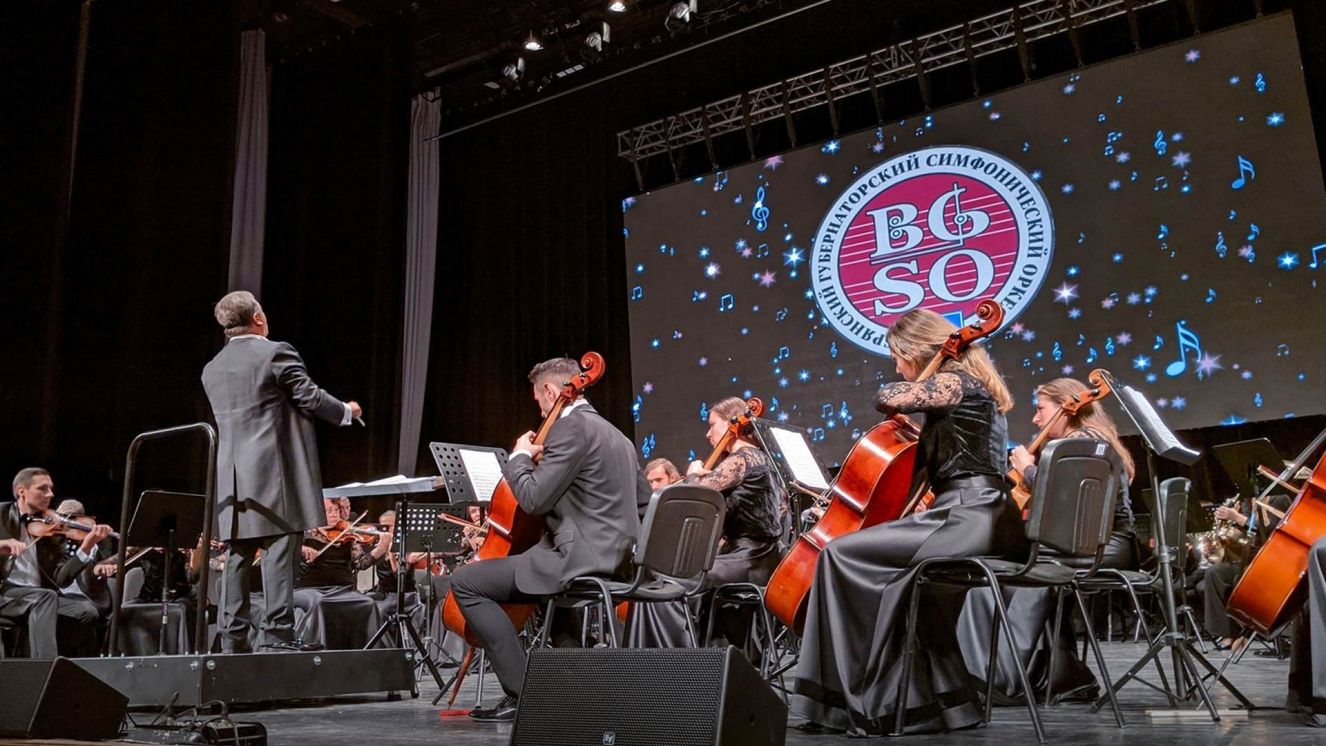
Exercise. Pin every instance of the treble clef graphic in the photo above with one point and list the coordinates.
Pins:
(759, 213)
(966, 223)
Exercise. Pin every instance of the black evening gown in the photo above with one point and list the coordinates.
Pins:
(851, 653)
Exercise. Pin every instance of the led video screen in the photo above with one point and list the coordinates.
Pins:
(1160, 216)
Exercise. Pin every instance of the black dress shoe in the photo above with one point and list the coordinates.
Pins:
(293, 646)
(502, 712)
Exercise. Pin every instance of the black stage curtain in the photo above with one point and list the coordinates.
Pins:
(334, 254)
(115, 319)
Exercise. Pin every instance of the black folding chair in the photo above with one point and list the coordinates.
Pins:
(678, 542)
(1072, 512)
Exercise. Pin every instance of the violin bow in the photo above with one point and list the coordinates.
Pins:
(348, 529)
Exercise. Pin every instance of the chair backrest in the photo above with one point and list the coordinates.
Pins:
(1169, 513)
(680, 534)
(1072, 503)
(133, 584)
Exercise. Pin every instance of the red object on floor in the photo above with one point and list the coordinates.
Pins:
(452, 713)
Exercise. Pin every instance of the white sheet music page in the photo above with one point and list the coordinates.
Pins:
(485, 472)
(805, 468)
(1152, 421)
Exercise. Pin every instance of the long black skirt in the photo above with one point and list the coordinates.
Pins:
(852, 649)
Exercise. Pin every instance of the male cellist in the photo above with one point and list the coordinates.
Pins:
(586, 482)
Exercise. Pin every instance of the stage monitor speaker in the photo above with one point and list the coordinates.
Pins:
(45, 698)
(646, 696)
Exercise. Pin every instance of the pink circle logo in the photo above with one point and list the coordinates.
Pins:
(943, 229)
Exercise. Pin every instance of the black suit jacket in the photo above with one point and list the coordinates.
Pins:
(57, 567)
(587, 486)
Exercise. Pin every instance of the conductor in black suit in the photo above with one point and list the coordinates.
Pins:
(268, 485)
(586, 482)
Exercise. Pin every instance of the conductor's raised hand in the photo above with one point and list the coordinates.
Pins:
(355, 409)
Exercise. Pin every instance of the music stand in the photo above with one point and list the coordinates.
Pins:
(399, 619)
(1240, 461)
(471, 472)
(794, 460)
(427, 534)
(1161, 441)
(167, 520)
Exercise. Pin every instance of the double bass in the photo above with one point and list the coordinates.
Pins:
(874, 485)
(1274, 586)
(510, 530)
(1100, 388)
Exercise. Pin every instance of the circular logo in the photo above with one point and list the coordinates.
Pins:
(942, 229)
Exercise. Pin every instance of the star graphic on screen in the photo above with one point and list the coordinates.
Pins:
(767, 278)
(1181, 159)
(1178, 402)
(1068, 89)
(1123, 157)
(1134, 299)
(773, 162)
(877, 147)
(793, 258)
(1074, 313)
(1208, 364)
(1028, 335)
(746, 252)
(1107, 303)
(648, 388)
(782, 382)
(782, 416)
(1162, 402)
(703, 361)
(1192, 56)
(1247, 375)
(704, 252)
(1287, 260)
(1150, 290)
(1068, 370)
(1123, 338)
(831, 147)
(712, 270)
(1065, 293)
(822, 179)
(1066, 188)
(803, 375)
(1275, 119)
(741, 244)
(1141, 362)
(1114, 185)
(1246, 251)
(1016, 328)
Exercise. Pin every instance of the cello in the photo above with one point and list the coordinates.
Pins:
(873, 486)
(1274, 586)
(1100, 388)
(741, 424)
(510, 529)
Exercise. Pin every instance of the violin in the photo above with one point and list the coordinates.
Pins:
(1100, 388)
(873, 486)
(741, 425)
(51, 523)
(345, 533)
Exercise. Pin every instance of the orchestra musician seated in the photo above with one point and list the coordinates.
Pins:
(34, 579)
(661, 472)
(335, 614)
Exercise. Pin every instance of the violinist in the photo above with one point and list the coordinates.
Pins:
(336, 614)
(586, 482)
(1030, 609)
(32, 580)
(91, 582)
(853, 644)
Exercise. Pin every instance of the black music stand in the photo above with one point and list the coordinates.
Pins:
(795, 462)
(168, 520)
(400, 619)
(427, 534)
(471, 473)
(1160, 440)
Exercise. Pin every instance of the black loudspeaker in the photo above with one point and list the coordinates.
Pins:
(47, 698)
(662, 697)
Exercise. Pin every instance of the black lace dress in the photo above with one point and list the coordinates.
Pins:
(851, 654)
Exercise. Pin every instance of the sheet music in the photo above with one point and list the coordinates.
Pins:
(802, 463)
(398, 479)
(485, 472)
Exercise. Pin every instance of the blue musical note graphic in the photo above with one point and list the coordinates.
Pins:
(637, 292)
(1246, 173)
(720, 181)
(1109, 346)
(1315, 249)
(1253, 232)
(1260, 83)
(1091, 355)
(1210, 295)
(1187, 341)
(1057, 353)
(758, 212)
(726, 302)
(1160, 145)
(1220, 249)
(1163, 233)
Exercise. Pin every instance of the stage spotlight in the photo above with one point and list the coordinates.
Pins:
(602, 34)
(683, 11)
(617, 6)
(532, 43)
(515, 70)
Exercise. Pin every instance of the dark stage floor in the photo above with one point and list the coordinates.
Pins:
(414, 721)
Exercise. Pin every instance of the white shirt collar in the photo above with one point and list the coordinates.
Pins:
(567, 409)
(245, 336)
